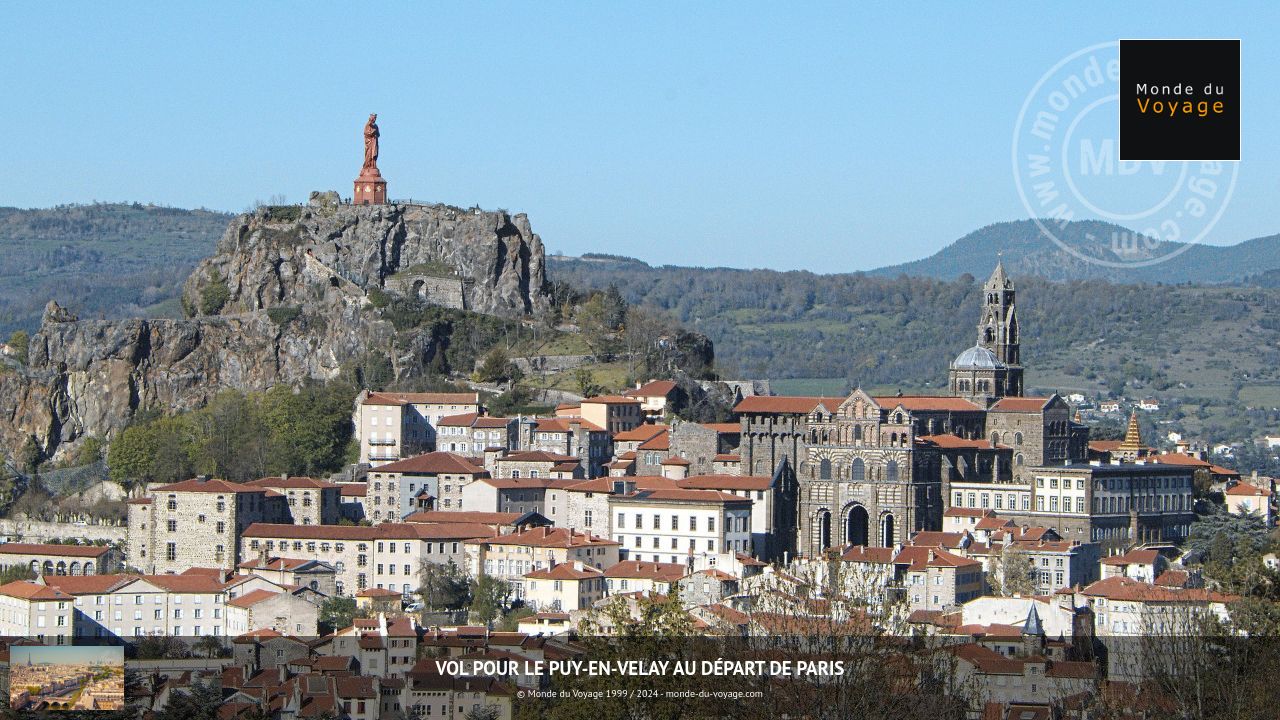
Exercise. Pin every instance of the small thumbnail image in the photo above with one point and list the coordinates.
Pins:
(66, 677)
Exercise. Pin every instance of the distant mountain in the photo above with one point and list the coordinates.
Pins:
(1025, 250)
(110, 260)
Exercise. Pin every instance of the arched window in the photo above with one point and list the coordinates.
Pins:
(897, 418)
(891, 471)
(857, 432)
(995, 437)
(824, 469)
(1017, 459)
(1017, 438)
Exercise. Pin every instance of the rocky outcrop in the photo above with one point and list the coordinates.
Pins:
(295, 306)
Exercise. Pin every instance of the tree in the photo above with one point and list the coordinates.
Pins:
(496, 366)
(1019, 572)
(30, 455)
(200, 702)
(90, 451)
(483, 712)
(585, 382)
(10, 573)
(444, 587)
(209, 645)
(214, 296)
(489, 597)
(338, 611)
(20, 344)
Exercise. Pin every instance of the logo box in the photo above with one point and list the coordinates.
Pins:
(1180, 100)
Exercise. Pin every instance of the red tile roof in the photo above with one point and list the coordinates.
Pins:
(724, 428)
(275, 563)
(864, 554)
(784, 404)
(463, 516)
(353, 489)
(1020, 404)
(89, 551)
(88, 584)
(948, 441)
(253, 597)
(564, 425)
(402, 398)
(432, 463)
(566, 571)
(727, 482)
(684, 495)
(538, 456)
(1119, 587)
(209, 486)
(611, 400)
(640, 433)
(653, 388)
(926, 402)
(676, 460)
(463, 420)
(377, 593)
(292, 481)
(635, 569)
(1240, 489)
(547, 537)
(32, 591)
(1138, 557)
(605, 484)
(661, 441)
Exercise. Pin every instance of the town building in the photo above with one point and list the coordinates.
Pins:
(510, 557)
(472, 433)
(390, 555)
(57, 559)
(564, 587)
(310, 501)
(395, 425)
(574, 437)
(656, 398)
(676, 525)
(36, 611)
(196, 523)
(429, 481)
(1241, 499)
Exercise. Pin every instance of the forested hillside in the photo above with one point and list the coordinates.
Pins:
(113, 260)
(1026, 250)
(1213, 350)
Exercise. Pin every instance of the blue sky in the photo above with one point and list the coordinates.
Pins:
(65, 654)
(830, 137)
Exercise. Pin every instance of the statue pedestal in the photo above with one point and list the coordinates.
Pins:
(370, 189)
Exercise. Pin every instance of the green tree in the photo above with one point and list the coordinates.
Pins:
(20, 344)
(214, 296)
(90, 451)
(444, 586)
(131, 456)
(338, 612)
(496, 366)
(200, 702)
(30, 455)
(489, 596)
(1019, 572)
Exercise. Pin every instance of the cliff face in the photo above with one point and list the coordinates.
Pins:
(295, 306)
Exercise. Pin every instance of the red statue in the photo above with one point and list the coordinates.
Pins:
(371, 143)
(370, 188)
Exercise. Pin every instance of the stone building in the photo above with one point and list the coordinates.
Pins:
(196, 523)
(702, 443)
(309, 501)
(871, 470)
(395, 490)
(395, 425)
(54, 559)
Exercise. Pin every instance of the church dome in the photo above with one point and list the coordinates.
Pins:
(977, 357)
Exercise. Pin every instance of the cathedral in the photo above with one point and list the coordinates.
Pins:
(872, 470)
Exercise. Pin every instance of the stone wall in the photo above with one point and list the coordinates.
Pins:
(446, 291)
(22, 530)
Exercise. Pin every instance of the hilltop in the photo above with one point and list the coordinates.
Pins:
(1026, 251)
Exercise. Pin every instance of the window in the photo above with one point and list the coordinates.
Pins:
(172, 525)
(171, 551)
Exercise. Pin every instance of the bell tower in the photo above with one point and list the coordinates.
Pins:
(998, 326)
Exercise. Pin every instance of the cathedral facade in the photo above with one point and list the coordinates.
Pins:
(872, 470)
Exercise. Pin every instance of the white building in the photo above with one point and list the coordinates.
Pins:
(393, 425)
(678, 525)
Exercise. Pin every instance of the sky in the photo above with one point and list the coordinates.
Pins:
(827, 137)
(65, 654)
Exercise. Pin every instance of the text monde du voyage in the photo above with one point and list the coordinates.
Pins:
(713, 668)
(1179, 99)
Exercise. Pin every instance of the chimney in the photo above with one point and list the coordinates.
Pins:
(284, 476)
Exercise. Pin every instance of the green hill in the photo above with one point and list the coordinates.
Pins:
(110, 260)
(1025, 250)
